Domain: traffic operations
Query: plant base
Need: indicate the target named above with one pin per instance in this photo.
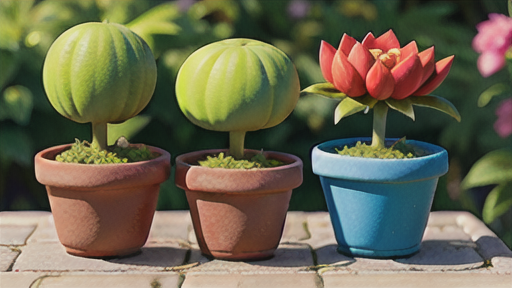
(379, 208)
(378, 254)
(102, 210)
(238, 214)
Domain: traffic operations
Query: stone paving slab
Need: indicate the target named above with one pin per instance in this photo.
(51, 256)
(7, 257)
(45, 231)
(457, 250)
(89, 280)
(17, 280)
(297, 280)
(170, 225)
(14, 234)
(288, 258)
(416, 280)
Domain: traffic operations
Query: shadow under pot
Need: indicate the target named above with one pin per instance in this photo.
(379, 208)
(102, 210)
(238, 214)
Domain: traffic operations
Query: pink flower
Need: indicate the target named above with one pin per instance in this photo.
(494, 38)
(381, 68)
(503, 126)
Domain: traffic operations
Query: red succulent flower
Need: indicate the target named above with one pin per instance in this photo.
(379, 67)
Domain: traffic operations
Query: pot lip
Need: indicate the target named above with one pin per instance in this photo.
(41, 156)
(182, 160)
(52, 173)
(196, 178)
(329, 145)
(329, 164)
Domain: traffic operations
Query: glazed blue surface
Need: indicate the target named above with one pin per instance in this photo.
(326, 162)
(378, 207)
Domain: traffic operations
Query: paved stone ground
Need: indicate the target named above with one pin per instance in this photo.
(458, 250)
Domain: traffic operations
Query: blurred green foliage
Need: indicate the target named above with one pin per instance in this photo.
(174, 29)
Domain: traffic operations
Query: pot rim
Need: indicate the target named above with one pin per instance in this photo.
(201, 153)
(60, 174)
(206, 179)
(326, 162)
(61, 148)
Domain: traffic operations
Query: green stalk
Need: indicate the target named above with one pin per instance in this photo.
(99, 135)
(236, 144)
(380, 112)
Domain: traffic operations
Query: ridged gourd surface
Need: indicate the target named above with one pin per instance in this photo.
(99, 73)
(237, 85)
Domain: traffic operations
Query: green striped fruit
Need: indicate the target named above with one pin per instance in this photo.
(99, 73)
(237, 85)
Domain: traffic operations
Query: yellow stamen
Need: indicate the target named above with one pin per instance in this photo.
(388, 59)
(376, 53)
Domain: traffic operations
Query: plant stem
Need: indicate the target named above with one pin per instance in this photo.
(99, 135)
(380, 112)
(236, 144)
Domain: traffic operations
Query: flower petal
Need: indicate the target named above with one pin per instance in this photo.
(427, 62)
(441, 71)
(345, 76)
(326, 57)
(346, 44)
(368, 40)
(407, 75)
(384, 42)
(489, 63)
(503, 124)
(379, 81)
(409, 50)
(361, 59)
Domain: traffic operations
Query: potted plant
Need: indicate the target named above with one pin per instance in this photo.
(379, 207)
(102, 198)
(238, 198)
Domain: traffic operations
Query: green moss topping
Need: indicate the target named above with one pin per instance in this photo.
(399, 150)
(222, 161)
(85, 153)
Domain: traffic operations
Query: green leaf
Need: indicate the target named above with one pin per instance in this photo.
(349, 106)
(128, 129)
(489, 93)
(403, 106)
(509, 8)
(494, 168)
(323, 89)
(9, 67)
(437, 103)
(497, 202)
(17, 146)
(157, 21)
(16, 104)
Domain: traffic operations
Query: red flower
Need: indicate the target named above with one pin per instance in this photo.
(379, 67)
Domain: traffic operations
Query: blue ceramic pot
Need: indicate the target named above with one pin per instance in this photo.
(379, 207)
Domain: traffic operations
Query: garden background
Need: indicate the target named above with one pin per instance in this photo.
(174, 29)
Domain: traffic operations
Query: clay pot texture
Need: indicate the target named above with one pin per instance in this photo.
(102, 210)
(238, 214)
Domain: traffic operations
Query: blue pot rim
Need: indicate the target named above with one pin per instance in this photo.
(328, 163)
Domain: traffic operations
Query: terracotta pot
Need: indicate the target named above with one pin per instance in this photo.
(238, 214)
(102, 210)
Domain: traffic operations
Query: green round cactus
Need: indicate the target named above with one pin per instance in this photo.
(237, 85)
(99, 73)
